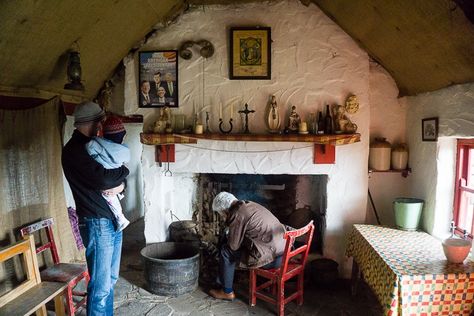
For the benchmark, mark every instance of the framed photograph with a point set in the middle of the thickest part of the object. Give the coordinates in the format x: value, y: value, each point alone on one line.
x: 250, y: 53
x: 429, y: 129
x: 158, y: 79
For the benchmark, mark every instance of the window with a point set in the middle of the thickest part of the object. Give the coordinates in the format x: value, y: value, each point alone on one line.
x: 464, y: 187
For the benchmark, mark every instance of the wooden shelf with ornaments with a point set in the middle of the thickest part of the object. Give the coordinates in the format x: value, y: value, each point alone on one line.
x: 324, y: 149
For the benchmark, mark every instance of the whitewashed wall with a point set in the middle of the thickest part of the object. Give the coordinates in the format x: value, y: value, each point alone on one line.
x: 313, y: 63
x: 388, y: 120
x: 433, y: 163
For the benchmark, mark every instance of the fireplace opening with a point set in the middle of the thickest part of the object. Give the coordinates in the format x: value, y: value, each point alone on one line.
x: 293, y: 199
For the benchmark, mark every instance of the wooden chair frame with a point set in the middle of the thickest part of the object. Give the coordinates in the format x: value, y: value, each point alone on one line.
x: 70, y: 273
x: 292, y: 266
x: 32, y: 294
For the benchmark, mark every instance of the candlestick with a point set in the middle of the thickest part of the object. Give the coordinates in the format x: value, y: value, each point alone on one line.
x: 303, y: 127
x: 231, y: 109
x: 220, y: 110
x: 223, y: 130
x: 198, y: 129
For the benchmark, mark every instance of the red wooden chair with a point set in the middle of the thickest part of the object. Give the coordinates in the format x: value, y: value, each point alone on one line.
x: 70, y: 273
x: 293, y: 263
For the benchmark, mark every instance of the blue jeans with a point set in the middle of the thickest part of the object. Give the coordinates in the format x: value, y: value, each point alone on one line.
x: 103, y: 250
x: 227, y: 260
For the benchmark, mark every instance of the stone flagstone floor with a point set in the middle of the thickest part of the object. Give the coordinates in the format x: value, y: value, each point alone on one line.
x: 131, y: 298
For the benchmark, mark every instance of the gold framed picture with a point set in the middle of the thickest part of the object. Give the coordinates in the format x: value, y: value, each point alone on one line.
x: 250, y: 53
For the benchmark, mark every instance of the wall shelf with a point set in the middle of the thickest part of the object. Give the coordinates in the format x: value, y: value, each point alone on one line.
x: 164, y: 139
x: 404, y: 172
x: 324, y: 145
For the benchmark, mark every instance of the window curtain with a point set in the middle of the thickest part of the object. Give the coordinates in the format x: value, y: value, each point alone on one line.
x: 31, y: 179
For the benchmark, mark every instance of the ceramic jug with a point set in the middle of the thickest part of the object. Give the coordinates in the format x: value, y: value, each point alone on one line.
x: 400, y: 157
x: 379, y: 155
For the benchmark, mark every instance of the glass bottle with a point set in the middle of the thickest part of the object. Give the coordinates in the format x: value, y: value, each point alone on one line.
x: 314, y: 123
x: 320, y: 123
x: 328, y: 124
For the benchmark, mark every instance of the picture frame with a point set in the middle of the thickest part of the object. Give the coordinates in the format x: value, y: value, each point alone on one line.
x: 429, y: 129
x: 250, y: 53
x: 158, y: 79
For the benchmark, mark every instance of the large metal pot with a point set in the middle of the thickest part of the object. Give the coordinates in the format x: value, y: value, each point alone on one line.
x: 171, y: 268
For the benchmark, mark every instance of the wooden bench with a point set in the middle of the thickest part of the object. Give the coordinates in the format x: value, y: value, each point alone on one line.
x: 32, y: 294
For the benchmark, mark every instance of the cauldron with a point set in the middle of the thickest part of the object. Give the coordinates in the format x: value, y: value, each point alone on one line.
x: 171, y: 268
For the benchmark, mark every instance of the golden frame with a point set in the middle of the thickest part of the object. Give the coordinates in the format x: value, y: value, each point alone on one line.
x: 250, y: 53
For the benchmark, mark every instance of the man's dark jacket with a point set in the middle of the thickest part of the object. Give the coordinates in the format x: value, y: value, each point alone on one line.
x: 87, y: 178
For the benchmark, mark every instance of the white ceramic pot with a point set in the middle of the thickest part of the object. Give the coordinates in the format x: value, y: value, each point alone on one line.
x: 400, y: 157
x: 399, y: 160
x: 379, y: 155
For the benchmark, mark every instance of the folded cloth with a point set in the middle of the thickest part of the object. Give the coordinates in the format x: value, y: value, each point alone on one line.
x: 74, y: 221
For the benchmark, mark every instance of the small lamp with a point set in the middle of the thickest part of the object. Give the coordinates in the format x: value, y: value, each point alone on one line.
x: 74, y: 72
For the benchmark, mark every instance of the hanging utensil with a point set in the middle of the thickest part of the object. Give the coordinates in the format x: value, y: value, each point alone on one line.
x: 168, y: 172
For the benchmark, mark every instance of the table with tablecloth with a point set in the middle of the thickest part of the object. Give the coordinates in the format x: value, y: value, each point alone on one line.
x: 409, y: 273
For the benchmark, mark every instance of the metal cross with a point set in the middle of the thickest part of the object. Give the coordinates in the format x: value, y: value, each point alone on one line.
x: 246, y: 112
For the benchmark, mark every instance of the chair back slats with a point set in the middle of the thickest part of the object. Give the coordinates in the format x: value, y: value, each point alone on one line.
x: 299, y: 232
x: 293, y: 263
x: 30, y: 229
x: 297, y: 251
x: 290, y: 253
x: 9, y: 252
x: 30, y: 264
x: 47, y: 225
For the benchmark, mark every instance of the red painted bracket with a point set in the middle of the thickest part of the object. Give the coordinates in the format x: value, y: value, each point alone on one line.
x: 165, y: 153
x: 324, y: 154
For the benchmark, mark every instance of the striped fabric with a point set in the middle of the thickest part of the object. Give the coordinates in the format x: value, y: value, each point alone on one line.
x: 74, y: 220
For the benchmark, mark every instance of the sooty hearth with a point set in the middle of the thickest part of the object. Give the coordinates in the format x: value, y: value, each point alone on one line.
x: 293, y: 199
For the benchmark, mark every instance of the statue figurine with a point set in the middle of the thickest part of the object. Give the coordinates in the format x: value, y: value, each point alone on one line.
x: 339, y: 117
x: 166, y: 118
x: 159, y: 125
x: 293, y: 120
x: 273, y: 119
x: 104, y: 99
x: 164, y: 121
x: 342, y: 124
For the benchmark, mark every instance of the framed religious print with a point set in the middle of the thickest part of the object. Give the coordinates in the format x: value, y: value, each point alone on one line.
x: 158, y: 79
x: 429, y: 129
x: 250, y: 53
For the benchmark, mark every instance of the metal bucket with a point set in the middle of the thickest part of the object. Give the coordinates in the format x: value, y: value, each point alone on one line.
x: 184, y: 231
x: 407, y: 213
x: 171, y: 268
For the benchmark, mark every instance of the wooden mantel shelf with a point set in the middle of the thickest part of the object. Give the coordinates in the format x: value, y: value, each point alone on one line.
x: 164, y: 139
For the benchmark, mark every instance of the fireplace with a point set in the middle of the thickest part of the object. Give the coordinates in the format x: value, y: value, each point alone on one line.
x: 343, y: 190
x: 293, y: 199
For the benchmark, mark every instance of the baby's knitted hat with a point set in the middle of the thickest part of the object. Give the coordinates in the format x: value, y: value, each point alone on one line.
x: 112, y: 125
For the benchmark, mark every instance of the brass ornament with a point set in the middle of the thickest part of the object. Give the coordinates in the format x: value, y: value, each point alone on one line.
x: 206, y: 51
x: 352, y: 104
